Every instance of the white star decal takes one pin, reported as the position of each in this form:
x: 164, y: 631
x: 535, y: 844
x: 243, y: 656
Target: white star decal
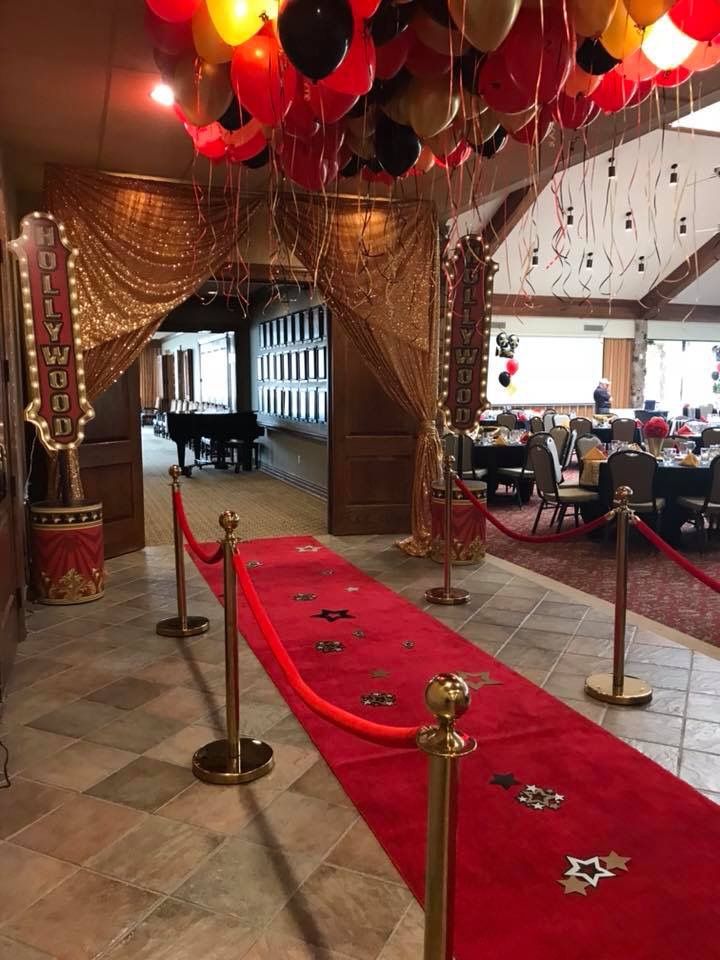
x: 352, y: 589
x: 593, y: 874
x: 308, y: 548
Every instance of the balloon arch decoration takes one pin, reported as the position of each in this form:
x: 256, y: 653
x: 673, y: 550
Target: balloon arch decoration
x: 388, y: 89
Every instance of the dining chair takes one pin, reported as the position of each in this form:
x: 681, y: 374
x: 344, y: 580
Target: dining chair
x: 560, y: 435
x: 549, y: 420
x: 508, y: 420
x: 637, y: 470
x: 569, y: 449
x: 553, y: 495
x: 585, y: 443
x: 581, y: 425
x: 451, y: 442
x: 515, y: 476
x: 709, y: 436
x: 536, y: 425
x: 707, y: 507
x: 561, y: 420
x: 623, y: 429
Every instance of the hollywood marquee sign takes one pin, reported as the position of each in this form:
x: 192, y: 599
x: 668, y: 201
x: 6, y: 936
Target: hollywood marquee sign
x: 469, y: 276
x: 58, y: 405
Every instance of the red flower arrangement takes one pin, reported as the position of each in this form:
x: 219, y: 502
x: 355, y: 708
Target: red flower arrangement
x: 656, y: 428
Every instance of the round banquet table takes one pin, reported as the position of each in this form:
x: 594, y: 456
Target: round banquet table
x: 492, y: 457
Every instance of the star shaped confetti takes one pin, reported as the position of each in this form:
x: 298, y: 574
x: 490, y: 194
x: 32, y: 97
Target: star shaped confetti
x: 329, y: 646
x: 352, y: 589
x: 326, y: 573
x: 359, y: 634
x: 379, y: 674
x: 477, y: 680
x: 308, y: 548
x: 613, y: 861
x: 504, y: 780
x: 408, y: 644
x: 378, y: 699
x: 332, y: 615
x: 590, y: 870
x: 539, y: 798
x: 574, y: 885
x: 251, y: 564
x: 304, y: 596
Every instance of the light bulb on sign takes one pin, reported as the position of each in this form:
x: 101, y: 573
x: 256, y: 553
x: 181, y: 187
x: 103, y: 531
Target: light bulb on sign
x: 163, y: 94
x: 665, y: 45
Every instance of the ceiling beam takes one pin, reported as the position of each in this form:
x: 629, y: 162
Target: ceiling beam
x: 656, y: 302
x: 511, y: 211
x: 598, y: 308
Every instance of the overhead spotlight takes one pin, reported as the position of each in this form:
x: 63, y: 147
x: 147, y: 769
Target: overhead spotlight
x: 641, y: 264
x: 673, y: 175
x: 629, y: 220
x: 589, y: 262
x: 611, y: 169
x: 163, y: 94
x: 570, y: 220
x: 683, y: 226
x: 535, y: 258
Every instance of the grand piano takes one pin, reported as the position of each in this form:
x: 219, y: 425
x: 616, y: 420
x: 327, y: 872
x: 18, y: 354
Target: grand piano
x: 220, y: 429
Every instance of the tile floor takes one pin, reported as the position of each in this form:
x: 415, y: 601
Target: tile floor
x: 110, y: 849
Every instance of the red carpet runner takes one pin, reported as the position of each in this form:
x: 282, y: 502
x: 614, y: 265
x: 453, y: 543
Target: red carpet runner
x: 571, y: 844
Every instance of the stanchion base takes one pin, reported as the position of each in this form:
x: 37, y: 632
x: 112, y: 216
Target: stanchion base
x: 450, y: 598
x: 174, y: 627
x: 635, y: 692
x: 212, y: 762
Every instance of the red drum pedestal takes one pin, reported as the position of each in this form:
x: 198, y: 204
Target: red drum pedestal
x: 468, y: 535
x: 67, y: 552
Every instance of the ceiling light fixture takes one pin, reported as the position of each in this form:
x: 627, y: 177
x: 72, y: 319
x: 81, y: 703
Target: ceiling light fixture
x: 570, y: 217
x: 589, y: 262
x: 628, y: 220
x: 535, y: 258
x: 683, y: 226
x: 641, y: 264
x: 673, y: 175
x: 163, y: 94
x: 611, y: 168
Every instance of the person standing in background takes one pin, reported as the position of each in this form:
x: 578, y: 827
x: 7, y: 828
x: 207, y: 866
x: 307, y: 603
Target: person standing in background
x: 602, y: 397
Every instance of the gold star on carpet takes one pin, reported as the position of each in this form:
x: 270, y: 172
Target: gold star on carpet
x: 352, y: 589
x: 379, y: 674
x: 477, y: 680
x: 573, y: 885
x: 308, y: 548
x: 613, y: 861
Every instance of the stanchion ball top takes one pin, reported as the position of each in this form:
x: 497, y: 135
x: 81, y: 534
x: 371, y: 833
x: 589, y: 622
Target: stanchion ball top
x: 623, y: 494
x: 175, y: 473
x: 228, y: 520
x: 447, y: 696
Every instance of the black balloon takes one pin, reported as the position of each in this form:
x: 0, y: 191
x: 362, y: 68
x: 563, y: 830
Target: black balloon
x: 234, y: 117
x: 374, y: 165
x: 715, y: 375
x: 397, y: 146
x: 438, y: 10
x: 592, y: 57
x: 259, y: 160
x: 315, y: 34
x: 389, y: 21
x: 504, y: 379
x: 468, y: 66
x: 494, y: 144
x: 353, y: 167
x: 384, y: 90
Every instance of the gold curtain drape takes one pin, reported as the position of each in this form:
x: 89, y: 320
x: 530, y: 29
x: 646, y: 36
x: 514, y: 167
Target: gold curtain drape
x: 617, y: 367
x: 149, y: 383
x: 378, y: 267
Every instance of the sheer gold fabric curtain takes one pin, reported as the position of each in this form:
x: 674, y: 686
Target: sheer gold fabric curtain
x: 149, y: 383
x: 378, y: 267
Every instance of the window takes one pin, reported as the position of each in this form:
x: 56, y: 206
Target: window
x: 680, y: 372
x: 561, y: 370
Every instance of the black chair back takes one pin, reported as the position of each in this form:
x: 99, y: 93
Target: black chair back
x: 623, y: 429
x: 637, y: 470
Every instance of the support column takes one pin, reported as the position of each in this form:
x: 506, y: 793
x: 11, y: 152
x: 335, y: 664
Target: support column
x: 639, y: 364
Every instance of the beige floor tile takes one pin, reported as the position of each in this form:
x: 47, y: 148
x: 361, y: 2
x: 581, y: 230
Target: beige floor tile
x: 255, y: 718
x: 136, y: 730
x: 662, y: 656
x: 668, y: 757
x: 479, y: 632
x: 82, y: 916
x: 290, y: 731
x: 77, y: 719
x: 27, y: 746
x: 246, y: 880
x: 319, y: 781
x: 26, y: 876
x: 702, y: 706
x: 520, y: 656
x: 176, y: 670
x: 158, y: 855
x: 588, y: 708
x: 568, y: 611
x: 701, y: 735
x: 358, y: 913
x: 182, y: 931
x: 553, y: 624
x: 27, y: 705
x: 705, y: 681
x: 299, y: 823
x: 656, y: 728
x: 127, y: 693
x: 78, y: 830
x: 701, y: 662
x: 671, y: 678
x: 78, y: 680
x: 543, y: 639
x: 84, y: 649
x: 220, y: 809
x: 12, y: 950
x: 359, y: 850
x: 181, y: 746
x: 30, y: 671
x: 702, y: 770
x: 182, y: 703
x: 80, y: 766
x: 24, y: 803
x: 406, y: 941
x: 273, y: 946
x: 143, y: 784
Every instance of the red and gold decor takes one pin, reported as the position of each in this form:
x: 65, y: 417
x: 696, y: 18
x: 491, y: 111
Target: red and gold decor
x: 322, y: 89
x: 656, y: 429
x: 468, y: 528
x: 66, y: 537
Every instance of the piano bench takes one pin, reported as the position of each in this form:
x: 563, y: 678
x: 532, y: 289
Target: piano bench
x: 237, y: 448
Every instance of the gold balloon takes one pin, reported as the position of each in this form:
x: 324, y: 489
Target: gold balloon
x: 481, y: 128
x: 591, y: 17
x: 445, y: 141
x: 202, y: 90
x: 580, y: 83
x: 432, y: 105
x: 513, y: 121
x: 485, y: 23
x: 397, y: 109
x: 238, y: 20
x: 470, y: 105
x: 622, y: 36
x: 426, y: 161
x: 645, y: 12
x: 439, y: 38
x: 363, y: 127
x: 362, y: 146
x: 208, y: 42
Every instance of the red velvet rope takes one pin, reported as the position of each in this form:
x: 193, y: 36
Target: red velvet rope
x: 673, y: 554
x: 525, y: 537
x: 374, y: 732
x: 199, y: 552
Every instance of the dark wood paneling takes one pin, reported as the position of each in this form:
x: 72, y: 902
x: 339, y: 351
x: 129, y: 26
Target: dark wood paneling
x: 111, y: 464
x: 372, y: 448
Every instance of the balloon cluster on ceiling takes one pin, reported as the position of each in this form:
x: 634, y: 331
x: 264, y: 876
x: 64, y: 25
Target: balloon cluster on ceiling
x: 391, y: 88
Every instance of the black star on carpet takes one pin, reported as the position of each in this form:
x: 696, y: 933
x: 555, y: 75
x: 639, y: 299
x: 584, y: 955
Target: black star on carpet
x: 332, y: 615
x: 504, y: 780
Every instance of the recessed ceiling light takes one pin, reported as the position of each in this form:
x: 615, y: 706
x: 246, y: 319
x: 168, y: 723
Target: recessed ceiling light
x: 163, y: 94
x: 707, y: 119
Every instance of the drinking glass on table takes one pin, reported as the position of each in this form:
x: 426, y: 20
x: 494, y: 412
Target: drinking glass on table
x: 668, y: 455
x: 705, y: 456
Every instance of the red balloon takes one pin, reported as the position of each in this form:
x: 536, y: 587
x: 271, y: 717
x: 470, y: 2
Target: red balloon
x: 263, y: 79
x: 208, y: 140
x: 574, y: 112
x: 391, y: 56
x: 381, y: 177
x: 327, y: 105
x: 312, y: 163
x: 704, y: 56
x: 174, y: 11
x: 512, y: 367
x: 168, y: 38
x: 300, y: 121
x: 424, y: 62
x: 637, y: 67
x: 364, y: 9
x: 536, y: 130
x: 614, y: 92
x: 644, y: 89
x: 699, y: 19
x: 499, y: 90
x: 244, y: 151
x: 356, y: 73
x: 672, y: 78
x: 539, y: 52
x: 457, y: 156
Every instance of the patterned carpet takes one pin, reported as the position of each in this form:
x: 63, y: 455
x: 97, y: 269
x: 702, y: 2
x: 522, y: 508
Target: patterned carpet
x: 267, y: 507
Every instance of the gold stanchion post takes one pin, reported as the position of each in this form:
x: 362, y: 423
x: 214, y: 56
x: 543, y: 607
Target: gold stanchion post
x: 234, y: 759
x: 182, y: 625
x: 616, y: 687
x: 448, y: 697
x: 447, y: 594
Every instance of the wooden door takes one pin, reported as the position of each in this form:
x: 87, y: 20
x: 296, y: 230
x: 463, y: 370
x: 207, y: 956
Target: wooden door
x: 371, y: 448
x: 111, y: 464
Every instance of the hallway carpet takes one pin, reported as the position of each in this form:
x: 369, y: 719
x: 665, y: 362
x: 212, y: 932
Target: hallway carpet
x: 533, y: 874
x: 267, y: 507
